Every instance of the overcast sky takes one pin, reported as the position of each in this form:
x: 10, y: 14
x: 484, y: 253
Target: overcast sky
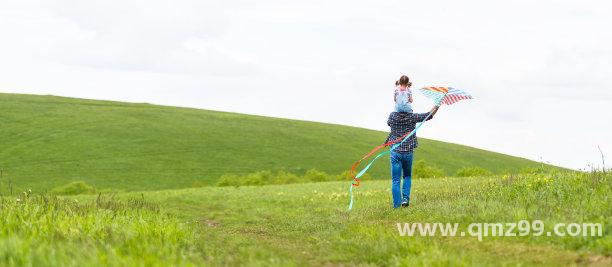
x: 540, y: 70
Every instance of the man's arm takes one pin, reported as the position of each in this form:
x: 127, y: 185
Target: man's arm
x: 399, y: 118
x: 420, y: 117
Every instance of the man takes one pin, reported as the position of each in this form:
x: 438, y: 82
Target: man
x: 402, y: 123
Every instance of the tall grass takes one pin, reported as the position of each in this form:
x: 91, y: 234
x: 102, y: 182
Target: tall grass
x: 40, y: 230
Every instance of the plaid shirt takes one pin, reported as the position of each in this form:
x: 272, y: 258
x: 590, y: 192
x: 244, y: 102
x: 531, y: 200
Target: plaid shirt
x: 402, y: 123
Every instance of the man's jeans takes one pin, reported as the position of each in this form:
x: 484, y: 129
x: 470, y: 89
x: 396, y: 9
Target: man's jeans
x: 401, y: 162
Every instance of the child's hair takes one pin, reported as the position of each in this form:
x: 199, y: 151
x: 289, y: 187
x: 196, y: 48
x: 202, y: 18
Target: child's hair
x: 404, y: 80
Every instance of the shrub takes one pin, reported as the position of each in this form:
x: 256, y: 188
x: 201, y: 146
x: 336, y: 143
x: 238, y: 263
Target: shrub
x: 229, y: 180
x: 420, y: 169
x: 345, y: 176
x: 258, y: 178
x: 73, y: 188
x: 285, y: 177
x: 472, y: 172
x: 314, y: 175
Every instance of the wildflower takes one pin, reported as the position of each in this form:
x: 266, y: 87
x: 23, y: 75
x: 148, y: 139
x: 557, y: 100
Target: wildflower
x: 18, y: 200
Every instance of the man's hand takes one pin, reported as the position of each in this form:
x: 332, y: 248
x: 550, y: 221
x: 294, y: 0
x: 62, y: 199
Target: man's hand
x: 434, y: 110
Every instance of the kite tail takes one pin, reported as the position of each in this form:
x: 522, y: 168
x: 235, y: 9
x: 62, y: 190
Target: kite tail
x: 355, y: 178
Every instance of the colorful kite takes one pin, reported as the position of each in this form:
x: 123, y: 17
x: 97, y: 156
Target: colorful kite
x: 440, y: 95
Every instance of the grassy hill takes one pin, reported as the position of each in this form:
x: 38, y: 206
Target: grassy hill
x: 46, y: 141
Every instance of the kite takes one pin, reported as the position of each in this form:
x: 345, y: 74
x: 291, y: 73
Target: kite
x: 440, y: 95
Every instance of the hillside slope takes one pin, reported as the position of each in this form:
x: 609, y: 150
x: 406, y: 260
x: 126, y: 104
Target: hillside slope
x: 47, y: 141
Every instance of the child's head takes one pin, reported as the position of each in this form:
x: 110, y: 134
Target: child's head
x: 403, y: 81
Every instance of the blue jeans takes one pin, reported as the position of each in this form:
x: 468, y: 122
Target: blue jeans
x: 400, y: 162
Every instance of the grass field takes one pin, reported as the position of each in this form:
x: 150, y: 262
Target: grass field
x: 307, y: 224
x: 153, y: 164
x: 48, y: 141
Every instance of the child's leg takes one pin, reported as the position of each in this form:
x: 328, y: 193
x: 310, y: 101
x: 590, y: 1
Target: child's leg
x: 398, y: 108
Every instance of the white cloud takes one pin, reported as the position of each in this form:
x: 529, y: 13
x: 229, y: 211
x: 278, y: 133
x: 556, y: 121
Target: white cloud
x: 539, y: 69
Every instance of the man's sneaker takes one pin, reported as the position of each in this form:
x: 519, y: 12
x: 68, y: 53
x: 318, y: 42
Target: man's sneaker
x: 405, y: 203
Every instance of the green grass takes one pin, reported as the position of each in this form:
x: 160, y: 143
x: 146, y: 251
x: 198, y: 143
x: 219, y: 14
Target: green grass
x: 47, y: 231
x: 307, y: 224
x: 48, y: 141
x: 81, y: 146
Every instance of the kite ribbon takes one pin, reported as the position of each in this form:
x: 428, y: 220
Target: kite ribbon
x: 356, y: 181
